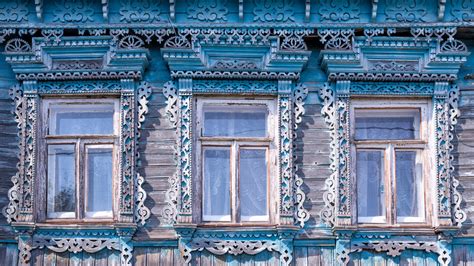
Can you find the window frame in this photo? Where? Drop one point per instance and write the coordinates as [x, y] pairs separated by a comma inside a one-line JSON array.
[[81, 143], [235, 144], [424, 144]]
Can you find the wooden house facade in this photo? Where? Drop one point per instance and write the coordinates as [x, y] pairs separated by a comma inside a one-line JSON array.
[[237, 132]]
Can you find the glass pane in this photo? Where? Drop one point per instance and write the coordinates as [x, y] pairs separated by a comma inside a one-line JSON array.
[[409, 184], [99, 180], [253, 183], [78, 119], [61, 179], [216, 198], [370, 184], [243, 121], [387, 124]]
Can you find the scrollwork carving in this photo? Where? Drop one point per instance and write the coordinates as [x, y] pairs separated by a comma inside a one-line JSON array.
[[336, 39], [406, 10], [74, 11], [328, 111], [395, 248], [339, 10], [207, 10], [274, 11], [13, 11], [133, 11], [11, 211], [301, 214]]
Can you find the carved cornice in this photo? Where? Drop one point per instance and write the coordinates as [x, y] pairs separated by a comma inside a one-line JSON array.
[[55, 57]]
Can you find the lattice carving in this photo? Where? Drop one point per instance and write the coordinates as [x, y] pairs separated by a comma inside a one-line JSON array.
[[336, 39]]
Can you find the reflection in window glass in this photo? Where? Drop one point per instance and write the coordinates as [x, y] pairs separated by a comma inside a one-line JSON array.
[[370, 186], [253, 184], [216, 198], [386, 124], [61, 180], [78, 119], [235, 122], [99, 180], [409, 184]]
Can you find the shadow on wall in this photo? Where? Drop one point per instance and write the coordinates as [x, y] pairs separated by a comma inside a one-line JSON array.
[[463, 162]]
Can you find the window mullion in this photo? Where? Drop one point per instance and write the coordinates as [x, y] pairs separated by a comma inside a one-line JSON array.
[[80, 156], [391, 189], [235, 195]]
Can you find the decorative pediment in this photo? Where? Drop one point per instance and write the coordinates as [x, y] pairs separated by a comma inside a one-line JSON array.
[[77, 58], [396, 58], [269, 59]]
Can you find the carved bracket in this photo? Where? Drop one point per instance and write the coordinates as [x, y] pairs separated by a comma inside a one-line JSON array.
[[235, 243], [90, 241], [392, 248]]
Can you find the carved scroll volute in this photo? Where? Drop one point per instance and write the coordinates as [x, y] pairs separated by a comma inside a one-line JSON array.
[[344, 183], [185, 144], [442, 153]]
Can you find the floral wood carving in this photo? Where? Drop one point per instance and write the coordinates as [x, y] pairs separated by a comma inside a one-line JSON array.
[[274, 11], [461, 10], [140, 11], [14, 11], [339, 10], [74, 11], [405, 10], [205, 10]]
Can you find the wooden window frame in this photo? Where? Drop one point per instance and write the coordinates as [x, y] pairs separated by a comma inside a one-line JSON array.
[[81, 143], [424, 144], [235, 144]]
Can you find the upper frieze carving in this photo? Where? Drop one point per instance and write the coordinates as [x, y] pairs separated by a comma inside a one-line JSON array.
[[274, 11], [461, 10], [406, 10], [259, 13], [339, 10], [73, 11], [14, 11], [206, 10], [140, 11]]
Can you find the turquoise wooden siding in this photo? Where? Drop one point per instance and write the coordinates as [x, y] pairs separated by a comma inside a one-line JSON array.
[[153, 23]]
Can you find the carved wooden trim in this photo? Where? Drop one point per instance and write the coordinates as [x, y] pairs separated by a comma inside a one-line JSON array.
[[335, 110], [290, 108]]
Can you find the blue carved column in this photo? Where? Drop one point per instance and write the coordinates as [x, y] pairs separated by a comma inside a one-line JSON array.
[[185, 146], [344, 208]]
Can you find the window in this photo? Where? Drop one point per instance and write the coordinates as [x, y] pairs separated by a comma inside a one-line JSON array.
[[235, 145], [390, 143], [80, 140]]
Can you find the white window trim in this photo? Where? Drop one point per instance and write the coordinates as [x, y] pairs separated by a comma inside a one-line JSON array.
[[423, 143], [236, 143], [80, 142]]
